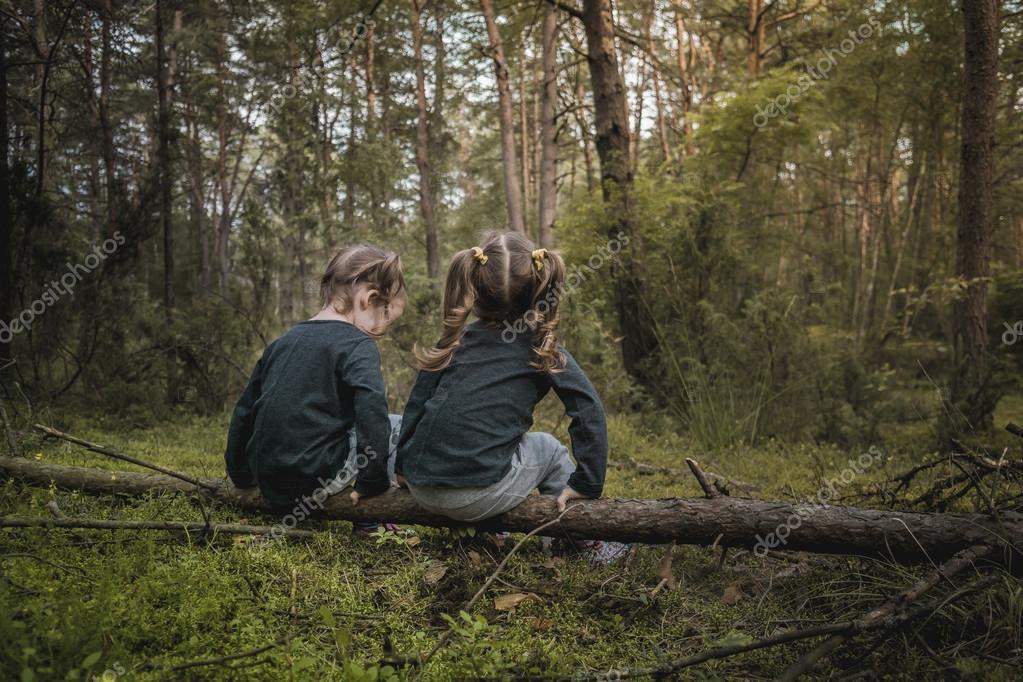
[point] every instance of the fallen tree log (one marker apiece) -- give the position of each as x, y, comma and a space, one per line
725, 521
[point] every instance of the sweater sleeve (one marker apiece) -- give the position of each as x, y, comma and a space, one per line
240, 431
588, 428
415, 407
361, 374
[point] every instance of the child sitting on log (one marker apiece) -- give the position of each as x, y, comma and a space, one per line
314, 415
465, 450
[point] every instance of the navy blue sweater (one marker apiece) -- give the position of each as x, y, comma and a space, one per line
290, 429
462, 424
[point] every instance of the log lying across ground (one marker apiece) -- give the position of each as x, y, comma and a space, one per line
725, 521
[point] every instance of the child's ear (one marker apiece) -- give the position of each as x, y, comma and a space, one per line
360, 299
368, 298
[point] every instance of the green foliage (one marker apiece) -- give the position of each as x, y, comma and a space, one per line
477, 654
146, 601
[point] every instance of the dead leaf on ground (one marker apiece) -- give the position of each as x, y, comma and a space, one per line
540, 624
509, 602
435, 570
732, 594
791, 570
664, 571
474, 557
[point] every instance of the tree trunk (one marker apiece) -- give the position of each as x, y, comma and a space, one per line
426, 195
637, 127
223, 182
165, 85
509, 160
113, 196
755, 36
976, 212
683, 73
662, 127
197, 200
42, 71
349, 206
6, 262
723, 521
612, 137
548, 205
438, 126
376, 199
582, 120
439, 61
524, 136
166, 62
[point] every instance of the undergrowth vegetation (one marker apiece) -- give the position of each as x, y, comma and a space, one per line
148, 605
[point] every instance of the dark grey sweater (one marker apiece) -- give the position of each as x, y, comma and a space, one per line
462, 424
290, 429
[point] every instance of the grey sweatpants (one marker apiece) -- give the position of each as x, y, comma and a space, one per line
351, 466
540, 461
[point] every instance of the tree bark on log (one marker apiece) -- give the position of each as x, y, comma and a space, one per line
727, 521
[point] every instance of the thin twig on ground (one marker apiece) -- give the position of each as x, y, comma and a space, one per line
103, 450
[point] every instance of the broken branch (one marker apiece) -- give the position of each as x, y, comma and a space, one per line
103, 450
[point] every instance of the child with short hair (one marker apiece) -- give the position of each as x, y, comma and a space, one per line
465, 450
314, 411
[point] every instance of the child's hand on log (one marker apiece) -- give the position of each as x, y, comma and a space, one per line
355, 498
566, 495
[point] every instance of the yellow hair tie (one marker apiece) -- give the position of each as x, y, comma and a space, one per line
538, 257
478, 254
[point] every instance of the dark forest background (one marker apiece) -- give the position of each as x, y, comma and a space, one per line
817, 207
794, 233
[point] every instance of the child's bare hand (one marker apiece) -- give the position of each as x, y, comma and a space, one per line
566, 495
355, 498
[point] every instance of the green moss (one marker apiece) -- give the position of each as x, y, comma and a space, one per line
74, 604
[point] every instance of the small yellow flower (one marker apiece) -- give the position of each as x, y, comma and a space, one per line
39, 455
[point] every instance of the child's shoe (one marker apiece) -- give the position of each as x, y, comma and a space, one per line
364, 529
500, 538
603, 552
600, 552
469, 536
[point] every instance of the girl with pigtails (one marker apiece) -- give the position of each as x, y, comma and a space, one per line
465, 448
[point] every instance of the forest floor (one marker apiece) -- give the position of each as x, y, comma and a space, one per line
130, 605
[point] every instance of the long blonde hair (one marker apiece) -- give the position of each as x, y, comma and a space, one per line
505, 279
